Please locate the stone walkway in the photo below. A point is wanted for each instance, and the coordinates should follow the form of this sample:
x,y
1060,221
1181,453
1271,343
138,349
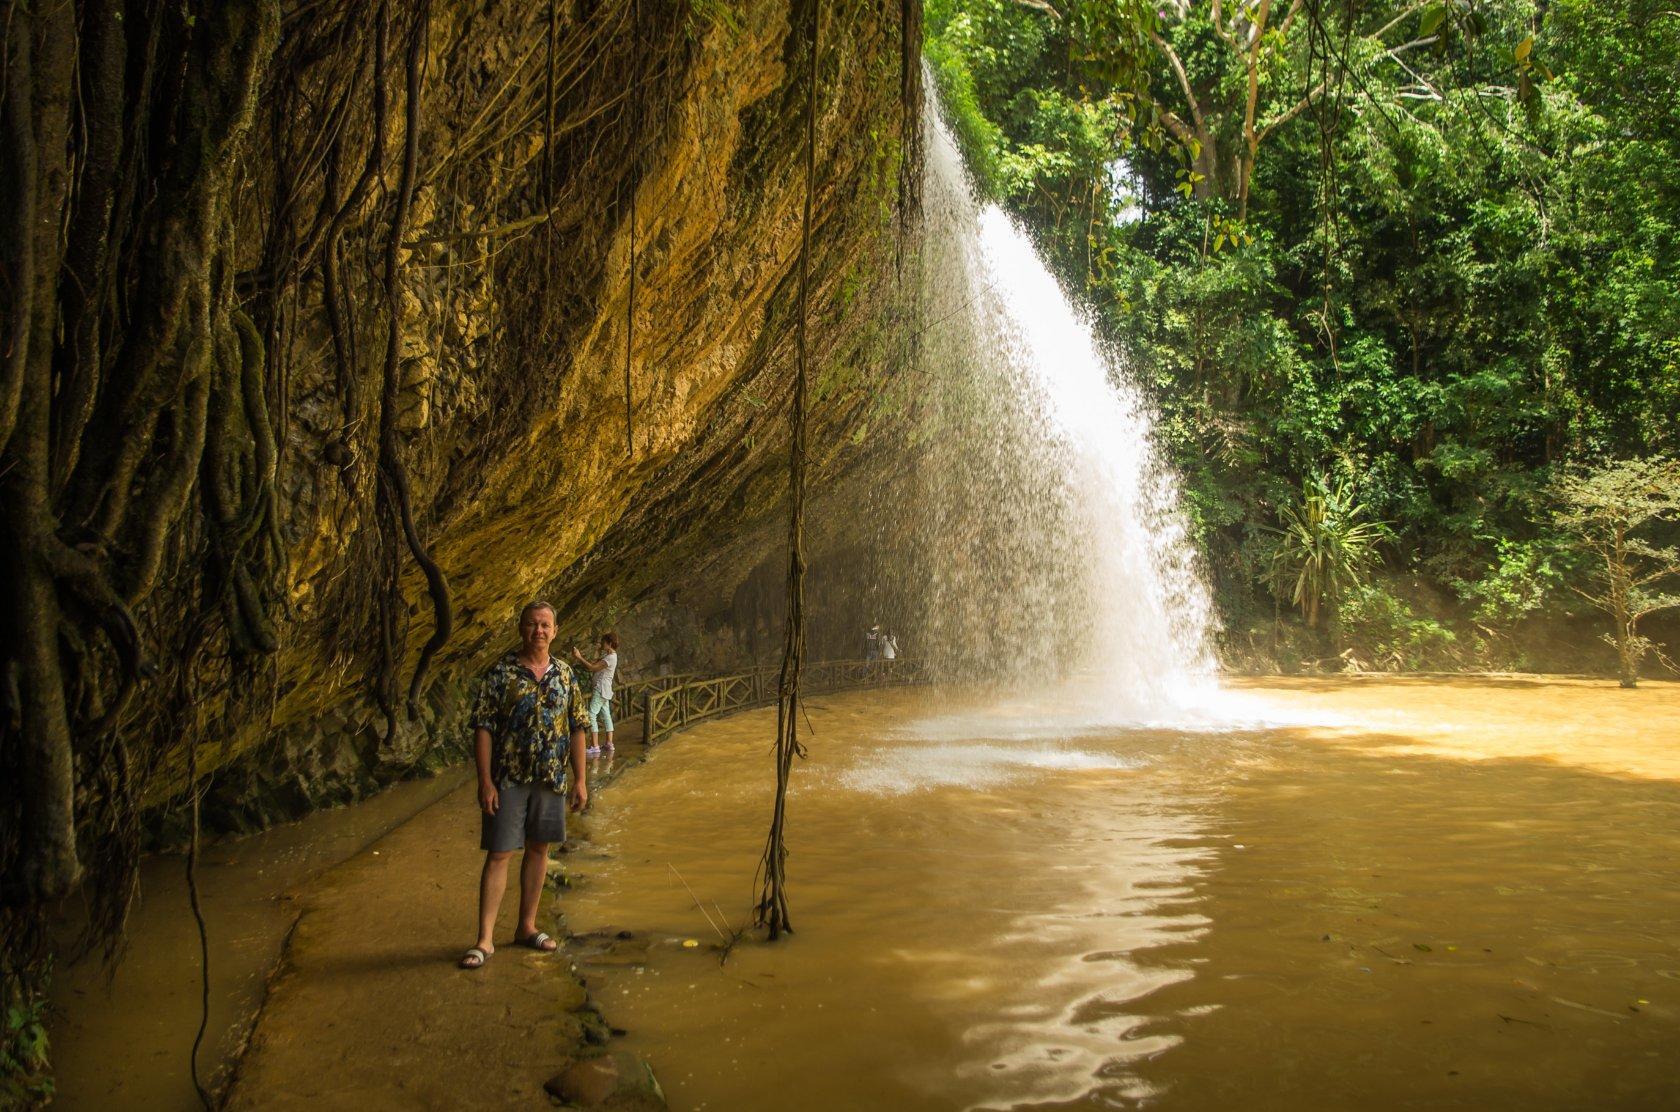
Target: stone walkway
x,y
368,1010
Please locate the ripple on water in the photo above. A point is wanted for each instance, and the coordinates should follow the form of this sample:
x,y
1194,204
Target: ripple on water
x,y
981,765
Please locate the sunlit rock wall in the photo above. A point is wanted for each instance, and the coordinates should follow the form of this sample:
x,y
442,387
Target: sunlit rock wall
x,y
524,483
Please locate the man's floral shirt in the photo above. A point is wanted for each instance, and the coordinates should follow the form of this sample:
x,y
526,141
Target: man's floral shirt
x,y
530,721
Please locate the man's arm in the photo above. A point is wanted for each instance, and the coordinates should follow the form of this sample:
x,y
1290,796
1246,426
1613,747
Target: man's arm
x,y
577,719
488,797
580,776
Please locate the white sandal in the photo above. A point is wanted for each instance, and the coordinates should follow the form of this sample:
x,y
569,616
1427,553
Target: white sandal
x,y
535,942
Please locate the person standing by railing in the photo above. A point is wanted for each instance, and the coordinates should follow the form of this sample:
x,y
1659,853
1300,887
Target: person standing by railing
x,y
528,724
600,700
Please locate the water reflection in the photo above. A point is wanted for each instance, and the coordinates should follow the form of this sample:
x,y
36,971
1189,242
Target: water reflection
x,y
1120,886
991,909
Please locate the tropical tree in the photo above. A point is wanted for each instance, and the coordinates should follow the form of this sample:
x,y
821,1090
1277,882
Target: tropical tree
x,y
1323,547
1610,510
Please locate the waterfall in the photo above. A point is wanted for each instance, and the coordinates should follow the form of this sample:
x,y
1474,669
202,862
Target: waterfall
x,y
1058,557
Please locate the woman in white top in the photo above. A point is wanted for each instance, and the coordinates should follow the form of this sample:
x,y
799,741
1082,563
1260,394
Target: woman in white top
x,y
600,702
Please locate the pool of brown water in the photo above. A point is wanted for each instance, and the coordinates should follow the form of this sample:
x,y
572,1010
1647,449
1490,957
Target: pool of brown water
x,y
1356,892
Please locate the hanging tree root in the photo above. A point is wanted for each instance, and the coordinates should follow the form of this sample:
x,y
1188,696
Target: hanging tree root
x,y
772,910
395,485
129,134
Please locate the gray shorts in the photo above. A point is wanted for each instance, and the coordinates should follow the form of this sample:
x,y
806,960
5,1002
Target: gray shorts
x,y
524,811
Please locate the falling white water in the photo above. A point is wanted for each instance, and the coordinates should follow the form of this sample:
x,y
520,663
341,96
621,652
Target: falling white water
x,y
1061,563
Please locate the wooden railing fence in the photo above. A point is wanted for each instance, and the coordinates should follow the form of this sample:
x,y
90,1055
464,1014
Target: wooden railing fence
x,y
628,696
670,703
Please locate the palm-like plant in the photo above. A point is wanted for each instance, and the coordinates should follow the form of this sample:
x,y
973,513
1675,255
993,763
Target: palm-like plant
x,y
1323,547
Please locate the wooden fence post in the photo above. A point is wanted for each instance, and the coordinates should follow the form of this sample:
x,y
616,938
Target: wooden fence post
x,y
647,720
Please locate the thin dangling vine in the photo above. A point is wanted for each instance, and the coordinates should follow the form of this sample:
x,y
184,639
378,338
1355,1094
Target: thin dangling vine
x,y
635,183
772,909
195,793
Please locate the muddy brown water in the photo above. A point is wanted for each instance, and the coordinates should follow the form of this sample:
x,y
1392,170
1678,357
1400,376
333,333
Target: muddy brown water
x,y
1381,894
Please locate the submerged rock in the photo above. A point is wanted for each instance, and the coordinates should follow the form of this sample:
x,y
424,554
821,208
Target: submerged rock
x,y
620,1081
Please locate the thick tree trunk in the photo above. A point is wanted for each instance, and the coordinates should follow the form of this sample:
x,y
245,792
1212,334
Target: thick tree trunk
x,y
48,865
1627,650
1208,166
47,43
17,209
87,255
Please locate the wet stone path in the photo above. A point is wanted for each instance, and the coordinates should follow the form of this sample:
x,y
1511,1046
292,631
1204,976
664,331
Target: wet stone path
x,y
367,1010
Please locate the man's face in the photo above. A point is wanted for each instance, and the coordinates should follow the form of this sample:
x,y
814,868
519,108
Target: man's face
x,y
537,630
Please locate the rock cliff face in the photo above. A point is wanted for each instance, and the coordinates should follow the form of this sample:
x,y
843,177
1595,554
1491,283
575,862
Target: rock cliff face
x,y
511,288
597,184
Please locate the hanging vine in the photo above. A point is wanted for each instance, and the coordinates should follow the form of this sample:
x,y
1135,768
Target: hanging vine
x,y
909,126
129,388
772,910
1330,61
399,509
635,186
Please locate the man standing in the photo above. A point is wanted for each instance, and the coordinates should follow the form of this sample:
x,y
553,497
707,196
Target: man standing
x,y
527,721
600,698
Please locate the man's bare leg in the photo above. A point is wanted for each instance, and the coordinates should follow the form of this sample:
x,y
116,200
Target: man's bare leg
x,y
532,872
492,882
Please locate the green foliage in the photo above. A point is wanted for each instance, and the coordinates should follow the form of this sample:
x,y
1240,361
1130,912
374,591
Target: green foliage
x,y
1454,276
703,15
1522,578
1041,106
25,1080
1323,547
1384,632
979,138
